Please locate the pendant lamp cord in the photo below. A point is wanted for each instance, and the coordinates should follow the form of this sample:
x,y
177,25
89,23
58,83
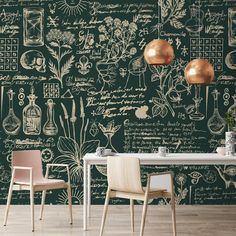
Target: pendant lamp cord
x,y
159,18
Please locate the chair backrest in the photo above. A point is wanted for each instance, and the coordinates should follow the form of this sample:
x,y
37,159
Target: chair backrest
x,y
27,158
162,181
123,174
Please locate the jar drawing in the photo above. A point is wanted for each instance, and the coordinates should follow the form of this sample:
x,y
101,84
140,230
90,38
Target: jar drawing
x,y
33,31
216,124
195,24
232,110
232,27
11,123
32,116
50,127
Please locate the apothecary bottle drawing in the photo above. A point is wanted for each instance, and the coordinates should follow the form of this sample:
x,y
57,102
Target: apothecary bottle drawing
x,y
50,127
232,111
216,124
232,27
32,116
11,123
33,30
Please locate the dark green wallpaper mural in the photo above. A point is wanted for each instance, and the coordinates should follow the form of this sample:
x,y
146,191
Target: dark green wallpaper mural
x,y
73,78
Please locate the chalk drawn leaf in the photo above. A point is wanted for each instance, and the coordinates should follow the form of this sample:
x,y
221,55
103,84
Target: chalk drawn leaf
x,y
156,110
63,159
54,44
89,146
180,4
53,53
163,112
65,53
67,145
53,68
66,46
184,193
175,23
158,101
65,69
180,14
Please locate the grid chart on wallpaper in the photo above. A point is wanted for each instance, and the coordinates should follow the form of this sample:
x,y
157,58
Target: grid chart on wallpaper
x,y
9,54
208,48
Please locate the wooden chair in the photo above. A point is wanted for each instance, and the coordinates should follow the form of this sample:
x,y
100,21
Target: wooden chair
x,y
27,174
124,181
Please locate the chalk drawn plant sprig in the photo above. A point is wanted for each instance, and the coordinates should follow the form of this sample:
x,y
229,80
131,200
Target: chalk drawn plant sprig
x,y
116,37
171,86
116,40
171,12
73,151
60,47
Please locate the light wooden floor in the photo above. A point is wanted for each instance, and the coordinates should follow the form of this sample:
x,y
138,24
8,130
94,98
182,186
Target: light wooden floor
x,y
191,221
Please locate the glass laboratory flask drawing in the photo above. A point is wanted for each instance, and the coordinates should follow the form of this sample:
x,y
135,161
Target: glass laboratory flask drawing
x,y
50,127
11,123
232,110
33,32
195,24
216,124
32,116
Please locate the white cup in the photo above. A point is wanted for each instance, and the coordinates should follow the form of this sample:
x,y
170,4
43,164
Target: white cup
x,y
107,152
100,151
221,150
163,151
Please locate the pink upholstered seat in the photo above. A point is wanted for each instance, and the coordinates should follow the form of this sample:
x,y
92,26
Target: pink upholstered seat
x,y
27,174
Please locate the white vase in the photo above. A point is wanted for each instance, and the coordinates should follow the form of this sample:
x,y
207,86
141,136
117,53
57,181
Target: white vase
x,y
229,143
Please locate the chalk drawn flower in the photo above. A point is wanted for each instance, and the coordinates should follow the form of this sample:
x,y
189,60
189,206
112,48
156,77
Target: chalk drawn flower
x,y
133,27
125,23
133,50
117,22
108,20
102,29
117,32
102,37
181,179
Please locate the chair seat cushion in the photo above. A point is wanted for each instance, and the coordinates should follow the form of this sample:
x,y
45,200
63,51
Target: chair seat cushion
x,y
42,182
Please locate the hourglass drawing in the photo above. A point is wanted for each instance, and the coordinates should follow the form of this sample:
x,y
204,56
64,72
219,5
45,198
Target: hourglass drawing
x,y
109,132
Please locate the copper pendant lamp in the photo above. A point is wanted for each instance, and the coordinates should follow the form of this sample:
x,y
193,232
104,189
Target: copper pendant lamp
x,y
158,52
199,71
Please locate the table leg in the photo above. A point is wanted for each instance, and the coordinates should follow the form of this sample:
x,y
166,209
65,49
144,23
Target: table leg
x,y
89,191
85,196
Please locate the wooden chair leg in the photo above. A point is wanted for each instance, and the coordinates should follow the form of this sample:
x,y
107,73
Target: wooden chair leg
x,y
105,211
173,216
145,204
8,201
32,207
70,203
42,204
132,214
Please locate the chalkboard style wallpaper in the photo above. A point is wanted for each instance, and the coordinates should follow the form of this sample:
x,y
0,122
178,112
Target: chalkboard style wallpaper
x,y
73,77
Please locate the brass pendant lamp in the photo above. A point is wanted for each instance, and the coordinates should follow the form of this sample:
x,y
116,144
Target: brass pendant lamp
x,y
158,51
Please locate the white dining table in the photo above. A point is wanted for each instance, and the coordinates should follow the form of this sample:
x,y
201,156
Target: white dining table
x,y
148,159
